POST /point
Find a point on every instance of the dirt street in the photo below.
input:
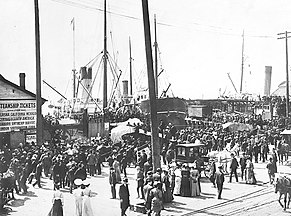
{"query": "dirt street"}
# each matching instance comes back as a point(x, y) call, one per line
point(237, 198)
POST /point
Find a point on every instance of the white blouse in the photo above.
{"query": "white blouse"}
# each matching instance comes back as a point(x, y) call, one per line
point(58, 195)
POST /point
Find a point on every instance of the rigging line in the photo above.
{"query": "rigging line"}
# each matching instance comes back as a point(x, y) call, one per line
point(114, 57)
point(114, 80)
point(67, 86)
point(77, 90)
point(114, 70)
point(90, 96)
point(116, 84)
point(111, 98)
point(94, 59)
point(92, 83)
point(115, 67)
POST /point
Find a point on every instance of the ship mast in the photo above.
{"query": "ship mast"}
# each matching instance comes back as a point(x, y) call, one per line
point(242, 62)
point(105, 60)
point(130, 68)
point(74, 59)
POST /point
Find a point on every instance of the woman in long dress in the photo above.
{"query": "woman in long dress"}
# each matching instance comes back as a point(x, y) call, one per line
point(166, 185)
point(78, 193)
point(87, 209)
point(157, 199)
point(250, 175)
point(178, 176)
point(194, 175)
point(116, 166)
point(185, 181)
point(58, 202)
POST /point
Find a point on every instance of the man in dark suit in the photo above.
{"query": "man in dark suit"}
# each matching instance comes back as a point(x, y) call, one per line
point(38, 172)
point(219, 179)
point(242, 162)
point(233, 167)
point(124, 196)
point(112, 182)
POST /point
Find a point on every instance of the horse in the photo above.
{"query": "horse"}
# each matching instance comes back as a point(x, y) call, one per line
point(283, 186)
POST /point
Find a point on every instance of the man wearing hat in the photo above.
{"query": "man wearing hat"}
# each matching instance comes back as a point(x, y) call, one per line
point(219, 179)
point(243, 162)
point(124, 196)
point(112, 182)
point(233, 167)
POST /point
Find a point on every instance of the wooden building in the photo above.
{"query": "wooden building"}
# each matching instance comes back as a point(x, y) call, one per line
point(17, 113)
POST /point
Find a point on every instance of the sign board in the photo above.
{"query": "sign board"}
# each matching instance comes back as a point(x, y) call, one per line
point(195, 111)
point(16, 115)
point(30, 138)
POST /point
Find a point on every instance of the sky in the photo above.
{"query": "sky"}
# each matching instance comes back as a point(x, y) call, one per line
point(199, 41)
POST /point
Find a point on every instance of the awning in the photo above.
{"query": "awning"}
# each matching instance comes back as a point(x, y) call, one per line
point(286, 132)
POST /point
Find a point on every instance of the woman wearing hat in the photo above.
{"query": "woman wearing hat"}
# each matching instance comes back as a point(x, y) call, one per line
point(156, 196)
point(87, 193)
point(78, 193)
point(58, 202)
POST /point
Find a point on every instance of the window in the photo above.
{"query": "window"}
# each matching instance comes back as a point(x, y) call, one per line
point(181, 151)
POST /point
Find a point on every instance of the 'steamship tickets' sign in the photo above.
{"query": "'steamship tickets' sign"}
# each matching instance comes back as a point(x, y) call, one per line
point(16, 115)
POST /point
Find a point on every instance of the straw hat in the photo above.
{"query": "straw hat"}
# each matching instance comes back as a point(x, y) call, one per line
point(78, 182)
point(86, 182)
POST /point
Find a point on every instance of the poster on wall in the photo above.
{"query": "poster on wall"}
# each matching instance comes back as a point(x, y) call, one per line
point(17, 115)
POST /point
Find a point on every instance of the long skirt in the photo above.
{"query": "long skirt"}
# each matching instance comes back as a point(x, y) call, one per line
point(250, 177)
point(195, 189)
point(167, 195)
point(177, 188)
point(57, 209)
point(79, 206)
point(185, 187)
point(87, 209)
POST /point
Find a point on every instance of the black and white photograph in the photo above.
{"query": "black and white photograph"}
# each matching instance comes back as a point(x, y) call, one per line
point(145, 107)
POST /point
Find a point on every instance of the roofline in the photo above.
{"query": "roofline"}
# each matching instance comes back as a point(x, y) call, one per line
point(19, 88)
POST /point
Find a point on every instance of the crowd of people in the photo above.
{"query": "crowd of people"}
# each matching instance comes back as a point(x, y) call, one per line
point(64, 161)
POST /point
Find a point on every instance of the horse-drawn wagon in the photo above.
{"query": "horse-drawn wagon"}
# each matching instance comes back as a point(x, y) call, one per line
point(193, 152)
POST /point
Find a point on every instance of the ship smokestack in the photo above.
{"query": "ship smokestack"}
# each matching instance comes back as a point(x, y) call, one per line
point(22, 80)
point(125, 88)
point(268, 77)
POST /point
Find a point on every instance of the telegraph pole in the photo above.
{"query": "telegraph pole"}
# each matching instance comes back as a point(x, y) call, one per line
point(39, 124)
point(151, 80)
point(156, 59)
point(287, 72)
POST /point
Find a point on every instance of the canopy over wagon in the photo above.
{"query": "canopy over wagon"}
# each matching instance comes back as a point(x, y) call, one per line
point(188, 152)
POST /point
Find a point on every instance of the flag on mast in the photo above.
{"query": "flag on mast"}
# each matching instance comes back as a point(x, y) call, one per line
point(73, 23)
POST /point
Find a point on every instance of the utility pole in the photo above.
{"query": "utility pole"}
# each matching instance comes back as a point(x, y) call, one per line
point(242, 62)
point(156, 59)
point(287, 69)
point(39, 122)
point(151, 82)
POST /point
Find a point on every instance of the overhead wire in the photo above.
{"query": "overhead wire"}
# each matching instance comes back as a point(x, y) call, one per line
point(90, 6)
